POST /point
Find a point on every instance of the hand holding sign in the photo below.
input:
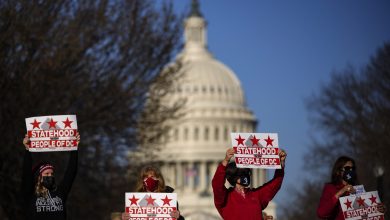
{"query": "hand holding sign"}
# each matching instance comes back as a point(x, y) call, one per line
point(175, 214)
point(26, 142)
point(282, 156)
point(229, 154)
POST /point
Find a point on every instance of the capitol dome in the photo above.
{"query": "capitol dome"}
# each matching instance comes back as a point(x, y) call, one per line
point(209, 82)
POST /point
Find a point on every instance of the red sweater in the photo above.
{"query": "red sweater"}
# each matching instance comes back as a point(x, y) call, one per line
point(232, 205)
point(329, 207)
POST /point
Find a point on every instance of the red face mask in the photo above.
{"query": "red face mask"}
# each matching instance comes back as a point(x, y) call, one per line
point(150, 184)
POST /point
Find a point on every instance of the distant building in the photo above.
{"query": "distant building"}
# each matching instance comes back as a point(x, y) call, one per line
point(215, 107)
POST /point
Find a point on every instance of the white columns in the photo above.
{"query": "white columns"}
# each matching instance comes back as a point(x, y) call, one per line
point(172, 176)
point(212, 168)
point(202, 176)
point(263, 178)
point(190, 176)
point(164, 171)
point(179, 176)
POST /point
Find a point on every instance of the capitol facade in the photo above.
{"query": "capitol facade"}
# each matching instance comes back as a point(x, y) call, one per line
point(215, 107)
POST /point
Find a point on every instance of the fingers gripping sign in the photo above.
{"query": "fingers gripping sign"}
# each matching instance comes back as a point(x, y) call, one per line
point(282, 156)
point(229, 154)
point(26, 142)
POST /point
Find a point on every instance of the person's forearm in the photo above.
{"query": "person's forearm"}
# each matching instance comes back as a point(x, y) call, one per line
point(225, 162)
point(219, 189)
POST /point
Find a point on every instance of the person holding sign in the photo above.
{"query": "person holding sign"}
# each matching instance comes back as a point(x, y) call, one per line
point(43, 198)
point(240, 201)
point(343, 180)
point(151, 180)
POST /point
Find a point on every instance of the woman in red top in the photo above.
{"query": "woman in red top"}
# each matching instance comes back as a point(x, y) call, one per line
point(241, 202)
point(342, 181)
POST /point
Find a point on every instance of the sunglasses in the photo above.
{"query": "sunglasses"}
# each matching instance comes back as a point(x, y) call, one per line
point(347, 168)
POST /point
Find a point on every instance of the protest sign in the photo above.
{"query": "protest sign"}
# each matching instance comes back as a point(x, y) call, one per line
point(359, 189)
point(256, 150)
point(150, 206)
point(362, 206)
point(52, 133)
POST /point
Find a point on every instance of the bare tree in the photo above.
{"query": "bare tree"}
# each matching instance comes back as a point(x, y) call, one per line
point(353, 113)
point(93, 58)
point(303, 202)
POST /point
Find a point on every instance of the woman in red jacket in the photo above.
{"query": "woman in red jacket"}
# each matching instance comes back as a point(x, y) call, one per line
point(241, 202)
point(342, 181)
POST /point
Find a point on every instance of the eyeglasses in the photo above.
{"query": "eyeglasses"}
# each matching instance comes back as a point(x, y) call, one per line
point(347, 168)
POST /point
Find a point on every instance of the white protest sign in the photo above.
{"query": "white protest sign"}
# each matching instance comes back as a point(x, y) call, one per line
point(256, 150)
point(52, 133)
point(363, 206)
point(150, 206)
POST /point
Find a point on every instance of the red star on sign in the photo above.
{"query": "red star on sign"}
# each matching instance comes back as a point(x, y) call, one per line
point(133, 200)
point(269, 141)
point(67, 123)
point(150, 200)
point(255, 141)
point(373, 199)
point(166, 200)
point(360, 201)
point(35, 124)
point(240, 140)
point(348, 204)
point(52, 123)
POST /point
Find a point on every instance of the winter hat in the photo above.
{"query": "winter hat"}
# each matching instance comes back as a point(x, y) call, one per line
point(38, 169)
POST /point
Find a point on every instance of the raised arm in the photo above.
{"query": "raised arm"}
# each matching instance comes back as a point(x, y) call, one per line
point(218, 182)
point(268, 191)
point(71, 171)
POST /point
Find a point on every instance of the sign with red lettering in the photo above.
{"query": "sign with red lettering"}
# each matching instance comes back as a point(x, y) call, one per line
point(52, 133)
point(362, 206)
point(150, 206)
point(256, 150)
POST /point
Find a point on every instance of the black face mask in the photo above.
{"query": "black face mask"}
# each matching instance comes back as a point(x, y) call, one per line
point(48, 182)
point(245, 180)
point(349, 176)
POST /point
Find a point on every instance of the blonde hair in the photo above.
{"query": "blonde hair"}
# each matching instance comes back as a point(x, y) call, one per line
point(144, 174)
point(40, 190)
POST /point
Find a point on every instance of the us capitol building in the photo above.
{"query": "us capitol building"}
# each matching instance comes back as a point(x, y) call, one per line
point(215, 107)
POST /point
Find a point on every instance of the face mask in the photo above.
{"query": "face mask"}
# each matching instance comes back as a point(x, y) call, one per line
point(150, 184)
point(349, 176)
point(245, 180)
point(48, 182)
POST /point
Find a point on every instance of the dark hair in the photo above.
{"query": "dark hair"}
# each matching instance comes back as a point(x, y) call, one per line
point(337, 167)
point(233, 173)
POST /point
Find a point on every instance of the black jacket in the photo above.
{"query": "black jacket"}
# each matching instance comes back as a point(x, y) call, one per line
point(54, 206)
